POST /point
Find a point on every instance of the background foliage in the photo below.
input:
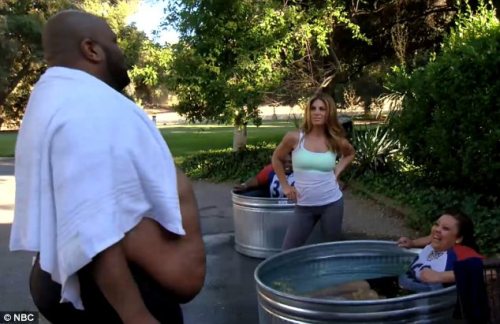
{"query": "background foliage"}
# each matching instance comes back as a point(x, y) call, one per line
point(450, 121)
point(441, 149)
point(225, 165)
point(21, 23)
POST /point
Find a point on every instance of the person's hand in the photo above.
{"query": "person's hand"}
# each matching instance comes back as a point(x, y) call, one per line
point(290, 192)
point(405, 242)
point(342, 185)
point(240, 187)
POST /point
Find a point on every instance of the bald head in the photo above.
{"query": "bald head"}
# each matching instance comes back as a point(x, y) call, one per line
point(64, 32)
point(80, 40)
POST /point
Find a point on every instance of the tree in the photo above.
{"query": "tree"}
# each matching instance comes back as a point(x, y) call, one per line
point(21, 23)
point(20, 48)
point(233, 55)
point(150, 72)
point(452, 106)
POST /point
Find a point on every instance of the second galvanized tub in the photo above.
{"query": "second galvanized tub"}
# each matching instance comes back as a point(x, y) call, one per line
point(283, 279)
point(260, 223)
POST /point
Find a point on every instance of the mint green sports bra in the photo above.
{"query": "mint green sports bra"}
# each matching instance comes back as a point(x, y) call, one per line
point(305, 160)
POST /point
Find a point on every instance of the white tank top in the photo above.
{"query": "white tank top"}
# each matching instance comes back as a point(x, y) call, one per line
point(315, 179)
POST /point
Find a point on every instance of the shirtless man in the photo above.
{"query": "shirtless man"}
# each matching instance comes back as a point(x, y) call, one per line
point(142, 277)
point(176, 263)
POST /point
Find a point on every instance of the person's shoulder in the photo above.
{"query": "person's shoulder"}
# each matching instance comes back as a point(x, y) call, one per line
point(292, 137)
point(293, 133)
point(344, 142)
point(268, 168)
point(464, 252)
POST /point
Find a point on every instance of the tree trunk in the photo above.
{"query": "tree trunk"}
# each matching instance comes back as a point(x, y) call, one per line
point(239, 137)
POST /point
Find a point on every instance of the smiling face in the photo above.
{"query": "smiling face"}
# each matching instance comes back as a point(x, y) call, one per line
point(319, 112)
point(445, 233)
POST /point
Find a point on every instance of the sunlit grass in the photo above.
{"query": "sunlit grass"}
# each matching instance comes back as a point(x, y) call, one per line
point(7, 143)
point(185, 140)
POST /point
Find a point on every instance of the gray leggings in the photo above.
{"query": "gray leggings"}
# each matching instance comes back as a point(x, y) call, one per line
point(304, 219)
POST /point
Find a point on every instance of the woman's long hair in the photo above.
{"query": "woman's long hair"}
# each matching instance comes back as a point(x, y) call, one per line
point(465, 228)
point(333, 130)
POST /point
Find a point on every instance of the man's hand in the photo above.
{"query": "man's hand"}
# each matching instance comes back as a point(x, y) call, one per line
point(240, 187)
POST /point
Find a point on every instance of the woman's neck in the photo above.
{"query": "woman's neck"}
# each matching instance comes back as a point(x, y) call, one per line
point(317, 131)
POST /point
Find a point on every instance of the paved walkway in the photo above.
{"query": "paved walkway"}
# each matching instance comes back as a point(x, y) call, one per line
point(229, 293)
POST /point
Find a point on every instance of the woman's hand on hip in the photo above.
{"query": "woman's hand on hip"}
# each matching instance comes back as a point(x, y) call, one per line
point(290, 192)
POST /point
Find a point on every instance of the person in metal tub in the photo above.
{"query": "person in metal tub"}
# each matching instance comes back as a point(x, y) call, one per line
point(268, 181)
point(451, 239)
point(449, 256)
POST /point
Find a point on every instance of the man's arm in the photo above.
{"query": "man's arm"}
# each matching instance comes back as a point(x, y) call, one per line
point(112, 275)
point(248, 184)
point(177, 263)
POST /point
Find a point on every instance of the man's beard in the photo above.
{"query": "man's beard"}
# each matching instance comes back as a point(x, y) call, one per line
point(119, 77)
point(118, 74)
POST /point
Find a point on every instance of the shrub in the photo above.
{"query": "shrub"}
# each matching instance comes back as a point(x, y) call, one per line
point(226, 165)
point(450, 121)
point(427, 202)
point(375, 149)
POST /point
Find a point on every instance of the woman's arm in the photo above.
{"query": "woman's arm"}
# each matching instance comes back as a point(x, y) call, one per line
point(416, 243)
point(430, 276)
point(348, 153)
point(284, 148)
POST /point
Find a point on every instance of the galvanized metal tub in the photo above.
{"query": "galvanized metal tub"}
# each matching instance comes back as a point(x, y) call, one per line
point(282, 279)
point(260, 223)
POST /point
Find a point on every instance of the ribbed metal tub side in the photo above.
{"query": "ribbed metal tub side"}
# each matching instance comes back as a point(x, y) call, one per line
point(260, 224)
point(334, 260)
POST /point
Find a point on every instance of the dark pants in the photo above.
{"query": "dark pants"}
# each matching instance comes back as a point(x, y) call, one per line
point(304, 219)
point(47, 294)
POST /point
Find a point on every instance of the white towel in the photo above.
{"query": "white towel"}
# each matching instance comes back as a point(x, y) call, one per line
point(89, 166)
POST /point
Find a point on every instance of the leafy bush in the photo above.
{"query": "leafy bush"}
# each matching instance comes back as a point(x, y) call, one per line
point(450, 121)
point(225, 165)
point(428, 202)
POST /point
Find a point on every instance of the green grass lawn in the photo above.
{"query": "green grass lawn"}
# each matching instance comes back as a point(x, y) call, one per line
point(184, 140)
point(190, 139)
point(7, 143)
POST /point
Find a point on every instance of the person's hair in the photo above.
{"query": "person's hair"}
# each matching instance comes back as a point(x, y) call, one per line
point(465, 227)
point(333, 130)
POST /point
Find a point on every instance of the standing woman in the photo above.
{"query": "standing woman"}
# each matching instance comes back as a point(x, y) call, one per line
point(314, 149)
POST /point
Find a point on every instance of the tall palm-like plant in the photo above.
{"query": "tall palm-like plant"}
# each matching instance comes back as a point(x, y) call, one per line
point(375, 148)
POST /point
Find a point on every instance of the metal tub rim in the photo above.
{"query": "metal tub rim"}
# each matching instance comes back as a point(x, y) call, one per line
point(261, 202)
point(322, 301)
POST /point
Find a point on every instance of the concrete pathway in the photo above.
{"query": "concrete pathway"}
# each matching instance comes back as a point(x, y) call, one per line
point(229, 295)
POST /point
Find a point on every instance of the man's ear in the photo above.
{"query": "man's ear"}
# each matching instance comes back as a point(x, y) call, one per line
point(91, 50)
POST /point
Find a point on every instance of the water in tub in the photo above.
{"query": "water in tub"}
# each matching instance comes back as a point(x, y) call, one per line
point(343, 278)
